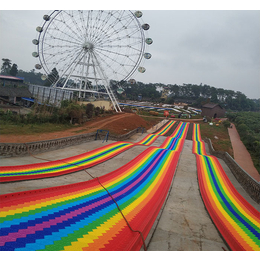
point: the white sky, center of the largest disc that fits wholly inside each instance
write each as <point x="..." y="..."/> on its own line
<point x="192" y="42"/>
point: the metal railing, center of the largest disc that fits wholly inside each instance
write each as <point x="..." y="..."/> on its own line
<point x="100" y="131"/>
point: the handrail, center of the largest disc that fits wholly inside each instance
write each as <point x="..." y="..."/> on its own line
<point x="106" y="136"/>
<point x="140" y="128"/>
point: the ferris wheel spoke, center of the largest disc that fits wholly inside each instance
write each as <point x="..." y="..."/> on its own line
<point x="79" y="25"/>
<point x="109" y="27"/>
<point x="97" y="21"/>
<point x="61" y="41"/>
<point x="120" y="28"/>
<point x="62" y="20"/>
<point x="59" y="57"/>
<point x="113" y="60"/>
<point x="61" y="52"/>
<point x="58" y="28"/>
<point x="89" y="24"/>
<point x="101" y="25"/>
<point x="71" y="66"/>
<point x="53" y="33"/>
<point x="83" y="25"/>
<point x="101" y="51"/>
<point x="123" y="54"/>
<point x="124" y="37"/>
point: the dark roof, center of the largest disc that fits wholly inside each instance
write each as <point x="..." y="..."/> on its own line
<point x="14" y="92"/>
<point x="211" y="105"/>
<point x="11" y="78"/>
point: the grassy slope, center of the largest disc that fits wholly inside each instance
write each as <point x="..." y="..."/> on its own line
<point x="218" y="135"/>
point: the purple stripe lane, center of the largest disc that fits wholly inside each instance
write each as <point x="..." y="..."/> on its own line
<point x="46" y="224"/>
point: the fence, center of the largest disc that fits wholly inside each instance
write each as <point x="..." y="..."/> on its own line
<point x="50" y="95"/>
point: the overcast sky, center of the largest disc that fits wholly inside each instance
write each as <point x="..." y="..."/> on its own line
<point x="193" y="45"/>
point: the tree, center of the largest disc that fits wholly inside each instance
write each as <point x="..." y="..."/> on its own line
<point x="196" y="91"/>
<point x="14" y="70"/>
<point x="75" y="112"/>
<point x="170" y="100"/>
<point x="31" y="77"/>
<point x="6" y="66"/>
<point x="90" y="110"/>
<point x="175" y="89"/>
<point x="52" y="77"/>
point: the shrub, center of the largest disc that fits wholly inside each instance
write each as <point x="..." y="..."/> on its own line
<point x="75" y="112"/>
<point x="226" y="123"/>
<point x="97" y="111"/>
<point x="89" y="110"/>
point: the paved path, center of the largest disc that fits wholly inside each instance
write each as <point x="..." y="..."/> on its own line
<point x="241" y="155"/>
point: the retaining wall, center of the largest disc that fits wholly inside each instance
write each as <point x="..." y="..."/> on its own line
<point x="250" y="185"/>
<point x="21" y="149"/>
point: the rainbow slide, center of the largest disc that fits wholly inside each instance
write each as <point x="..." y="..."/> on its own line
<point x="64" y="166"/>
<point x="237" y="221"/>
<point x="176" y="140"/>
<point x="150" y="138"/>
<point x="83" y="216"/>
<point x="166" y="128"/>
<point x="74" y="163"/>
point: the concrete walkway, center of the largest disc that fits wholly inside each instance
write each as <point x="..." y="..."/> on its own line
<point x="185" y="224"/>
<point x="241" y="155"/>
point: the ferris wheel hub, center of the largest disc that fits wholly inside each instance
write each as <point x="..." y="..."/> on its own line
<point x="88" y="46"/>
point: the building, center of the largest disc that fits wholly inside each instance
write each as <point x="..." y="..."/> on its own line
<point x="14" y="95"/>
<point x="213" y="110"/>
<point x="10" y="80"/>
<point x="165" y="93"/>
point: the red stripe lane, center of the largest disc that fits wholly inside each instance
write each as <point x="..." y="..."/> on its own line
<point x="225" y="228"/>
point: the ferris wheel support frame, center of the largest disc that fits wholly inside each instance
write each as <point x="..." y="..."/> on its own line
<point x="101" y="72"/>
<point x="107" y="86"/>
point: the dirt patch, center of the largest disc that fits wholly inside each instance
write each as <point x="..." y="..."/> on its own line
<point x="116" y="124"/>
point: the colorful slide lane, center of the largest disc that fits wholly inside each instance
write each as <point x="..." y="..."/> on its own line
<point x="64" y="166"/>
<point x="150" y="138"/>
<point x="176" y="140"/>
<point x="83" y="216"/>
<point x="165" y="129"/>
<point x="72" y="164"/>
<point x="237" y="221"/>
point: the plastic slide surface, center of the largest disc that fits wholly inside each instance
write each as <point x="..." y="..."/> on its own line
<point x="64" y="166"/>
<point x="83" y="216"/>
<point x="237" y="221"/>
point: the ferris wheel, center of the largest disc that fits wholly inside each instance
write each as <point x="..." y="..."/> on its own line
<point x="86" y="50"/>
